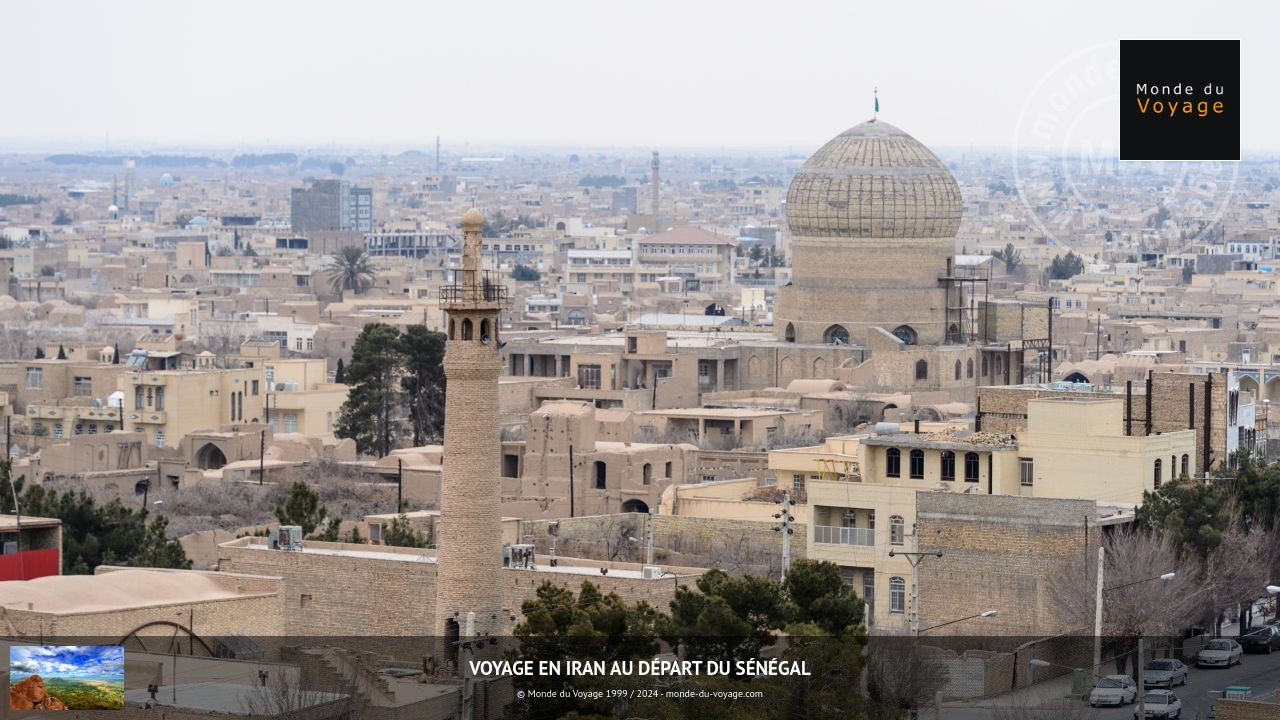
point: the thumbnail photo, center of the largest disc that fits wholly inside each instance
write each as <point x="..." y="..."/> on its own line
<point x="66" y="677"/>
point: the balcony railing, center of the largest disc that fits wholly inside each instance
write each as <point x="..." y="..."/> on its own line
<point x="833" y="535"/>
<point x="485" y="292"/>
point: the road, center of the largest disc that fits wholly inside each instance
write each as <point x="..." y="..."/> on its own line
<point x="1260" y="672"/>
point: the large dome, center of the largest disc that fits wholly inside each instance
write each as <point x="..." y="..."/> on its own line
<point x="874" y="181"/>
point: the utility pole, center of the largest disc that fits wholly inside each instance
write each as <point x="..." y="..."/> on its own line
<point x="262" y="455"/>
<point x="1097" y="616"/>
<point x="915" y="557"/>
<point x="1142" y="705"/>
<point x="399" y="484"/>
<point x="648" y="540"/>
<point x="784" y="526"/>
<point x="571" y="480"/>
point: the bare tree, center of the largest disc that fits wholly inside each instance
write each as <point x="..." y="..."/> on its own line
<point x="1236" y="571"/>
<point x="285" y="695"/>
<point x="900" y="675"/>
<point x="1136" y="603"/>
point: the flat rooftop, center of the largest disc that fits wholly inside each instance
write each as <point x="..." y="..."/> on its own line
<point x="9" y="523"/>
<point x="113" y="591"/>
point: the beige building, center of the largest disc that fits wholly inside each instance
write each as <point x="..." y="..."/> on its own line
<point x="166" y="405"/>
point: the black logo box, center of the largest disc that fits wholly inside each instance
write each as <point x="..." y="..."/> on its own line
<point x="1191" y="66"/>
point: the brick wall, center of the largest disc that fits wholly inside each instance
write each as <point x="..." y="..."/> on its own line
<point x="1247" y="710"/>
<point x="998" y="553"/>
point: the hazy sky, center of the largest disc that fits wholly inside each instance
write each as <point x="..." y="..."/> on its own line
<point x="693" y="73"/>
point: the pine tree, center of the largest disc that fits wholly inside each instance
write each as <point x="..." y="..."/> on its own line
<point x="39" y="353"/>
<point x="340" y="375"/>
<point x="62" y="353"/>
<point x="302" y="507"/>
<point x="370" y="414"/>
<point x="115" y="360"/>
<point x="423" y="382"/>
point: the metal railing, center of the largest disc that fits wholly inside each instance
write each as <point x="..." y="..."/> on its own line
<point x="486" y="292"/>
<point x="833" y="535"/>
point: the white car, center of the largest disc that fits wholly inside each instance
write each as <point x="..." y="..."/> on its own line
<point x="1160" y="704"/>
<point x="1114" y="690"/>
<point x="1164" y="673"/>
<point x="1223" y="652"/>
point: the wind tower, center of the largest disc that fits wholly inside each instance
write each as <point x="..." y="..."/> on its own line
<point x="470" y="547"/>
<point x="653" y="186"/>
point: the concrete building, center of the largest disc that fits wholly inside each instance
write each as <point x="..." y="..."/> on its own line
<point x="331" y="204"/>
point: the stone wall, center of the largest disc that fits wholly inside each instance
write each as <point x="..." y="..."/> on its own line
<point x="998" y="553"/>
<point x="1247" y="710"/>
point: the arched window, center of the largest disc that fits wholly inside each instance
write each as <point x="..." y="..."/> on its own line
<point x="999" y="364"/>
<point x="897" y="595"/>
<point x="1157" y="474"/>
<point x="953" y="333"/>
<point x="957" y="369"/>
<point x="906" y="334"/>
<point x="968" y="371"/>
<point x="893" y="463"/>
<point x="466" y="329"/>
<point x="600" y="475"/>
<point x="836" y="335"/>
<point x="917" y="464"/>
<point x="922" y="369"/>
<point x="984" y="366"/>
<point x="971" y="467"/>
<point x="790" y="333"/>
<point x="648" y="474"/>
<point x="453" y="332"/>
<point x="1185" y="461"/>
<point x="897" y="530"/>
<point x="948" y="465"/>
<point x="484" y="331"/>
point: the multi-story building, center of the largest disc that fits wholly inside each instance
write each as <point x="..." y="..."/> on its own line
<point x="166" y="405"/>
<point x="330" y="204"/>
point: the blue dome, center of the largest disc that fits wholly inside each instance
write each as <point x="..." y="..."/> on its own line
<point x="166" y="179"/>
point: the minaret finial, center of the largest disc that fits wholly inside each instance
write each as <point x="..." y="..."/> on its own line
<point x="876" y="94"/>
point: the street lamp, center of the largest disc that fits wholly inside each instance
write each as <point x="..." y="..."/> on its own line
<point x="983" y="614"/>
<point x="1097" y="613"/>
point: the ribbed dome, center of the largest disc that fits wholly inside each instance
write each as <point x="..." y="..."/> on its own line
<point x="874" y="181"/>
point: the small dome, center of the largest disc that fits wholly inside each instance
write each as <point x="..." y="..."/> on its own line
<point x="166" y="179"/>
<point x="113" y="209"/>
<point x="874" y="181"/>
<point x="473" y="220"/>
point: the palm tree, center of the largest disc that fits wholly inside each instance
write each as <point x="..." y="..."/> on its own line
<point x="351" y="270"/>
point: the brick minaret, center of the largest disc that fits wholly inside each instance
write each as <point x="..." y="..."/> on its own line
<point x="470" y="538"/>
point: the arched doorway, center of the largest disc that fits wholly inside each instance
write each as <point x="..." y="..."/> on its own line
<point x="790" y="333"/>
<point x="635" y="506"/>
<point x="210" y="457"/>
<point x="1076" y="377"/>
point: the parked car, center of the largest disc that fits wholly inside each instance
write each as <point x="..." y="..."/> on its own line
<point x="1164" y="673"/>
<point x="1160" y="704"/>
<point x="1263" y="639"/>
<point x="1222" y="652"/>
<point x="1114" y="690"/>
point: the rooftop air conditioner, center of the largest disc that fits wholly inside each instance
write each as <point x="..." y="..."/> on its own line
<point x="651" y="572"/>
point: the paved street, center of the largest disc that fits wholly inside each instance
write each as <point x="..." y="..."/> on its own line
<point x="1261" y="672"/>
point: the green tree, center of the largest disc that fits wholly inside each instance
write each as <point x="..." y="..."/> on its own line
<point x="727" y="617"/>
<point x="1193" y="512"/>
<point x="1010" y="255"/>
<point x="249" y="251"/>
<point x="302" y="507"/>
<point x="94" y="534"/>
<point x="62" y="353"/>
<point x="351" y="269"/>
<point x="1066" y="266"/>
<point x="340" y="374"/>
<point x="39" y="353"/>
<point x="525" y="273"/>
<point x="822" y="598"/>
<point x="423" y="382"/>
<point x="62" y="218"/>
<point x="47" y="271"/>
<point x="369" y="414"/>
<point x="1255" y="490"/>
<point x="400" y="533"/>
<point x="115" y="357"/>
<point x="591" y="626"/>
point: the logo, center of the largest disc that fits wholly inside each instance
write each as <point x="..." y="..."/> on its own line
<point x="1179" y="99"/>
